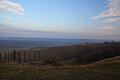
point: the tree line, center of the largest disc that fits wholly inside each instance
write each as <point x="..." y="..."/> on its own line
<point x="82" y="54"/>
<point x="23" y="56"/>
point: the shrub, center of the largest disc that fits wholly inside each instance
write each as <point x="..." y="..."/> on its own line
<point x="51" y="60"/>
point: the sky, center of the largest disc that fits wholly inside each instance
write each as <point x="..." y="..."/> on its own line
<point x="77" y="19"/>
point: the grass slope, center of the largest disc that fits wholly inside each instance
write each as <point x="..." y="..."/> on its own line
<point x="108" y="69"/>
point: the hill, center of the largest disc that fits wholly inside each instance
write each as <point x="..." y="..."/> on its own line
<point x="108" y="69"/>
<point x="36" y="43"/>
<point x="63" y="55"/>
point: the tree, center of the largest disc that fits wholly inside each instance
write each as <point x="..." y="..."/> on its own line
<point x="11" y="56"/>
<point x="19" y="57"/>
<point x="8" y="57"/>
<point x="0" y="57"/>
<point x="38" y="55"/>
<point x="14" y="55"/>
<point x="29" y="56"/>
<point x="24" y="54"/>
<point x="34" y="55"/>
<point x="5" y="56"/>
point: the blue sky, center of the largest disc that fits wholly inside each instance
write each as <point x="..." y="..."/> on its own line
<point x="96" y="19"/>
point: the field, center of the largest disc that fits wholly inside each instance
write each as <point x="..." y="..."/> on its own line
<point x="100" y="61"/>
<point x="108" y="69"/>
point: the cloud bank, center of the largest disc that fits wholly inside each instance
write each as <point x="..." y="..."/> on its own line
<point x="106" y="27"/>
<point x="112" y="19"/>
<point x="11" y="7"/>
<point x="113" y="9"/>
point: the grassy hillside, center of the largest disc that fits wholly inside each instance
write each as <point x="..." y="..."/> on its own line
<point x="108" y="69"/>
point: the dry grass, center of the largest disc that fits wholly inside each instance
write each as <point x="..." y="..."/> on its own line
<point x="108" y="69"/>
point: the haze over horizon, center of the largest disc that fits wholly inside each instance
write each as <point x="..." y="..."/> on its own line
<point x="96" y="19"/>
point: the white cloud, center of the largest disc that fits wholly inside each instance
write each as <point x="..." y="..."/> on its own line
<point x="112" y="19"/>
<point x="106" y="27"/>
<point x="113" y="9"/>
<point x="11" y="7"/>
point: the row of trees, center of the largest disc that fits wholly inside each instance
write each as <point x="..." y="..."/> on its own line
<point x="97" y="53"/>
<point x="8" y="56"/>
<point x="82" y="54"/>
<point x="19" y="56"/>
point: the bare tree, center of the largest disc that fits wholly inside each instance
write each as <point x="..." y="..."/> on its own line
<point x="5" y="56"/>
<point x="0" y="57"/>
<point x="24" y="55"/>
<point x="19" y="57"/>
<point x="34" y="55"/>
<point x="29" y="56"/>
<point x="14" y="55"/>
<point x="8" y="57"/>
<point x="38" y="55"/>
<point x="11" y="56"/>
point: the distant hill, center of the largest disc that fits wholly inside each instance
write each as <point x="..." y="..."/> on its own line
<point x="35" y="43"/>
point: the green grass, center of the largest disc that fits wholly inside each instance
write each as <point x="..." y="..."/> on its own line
<point x="96" y="71"/>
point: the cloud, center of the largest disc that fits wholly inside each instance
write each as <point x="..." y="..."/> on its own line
<point x="11" y="7"/>
<point x="106" y="27"/>
<point x="112" y="19"/>
<point x="8" y="17"/>
<point x="113" y="9"/>
<point x="7" y="30"/>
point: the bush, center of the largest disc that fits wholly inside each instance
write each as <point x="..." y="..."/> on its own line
<point x="51" y="60"/>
